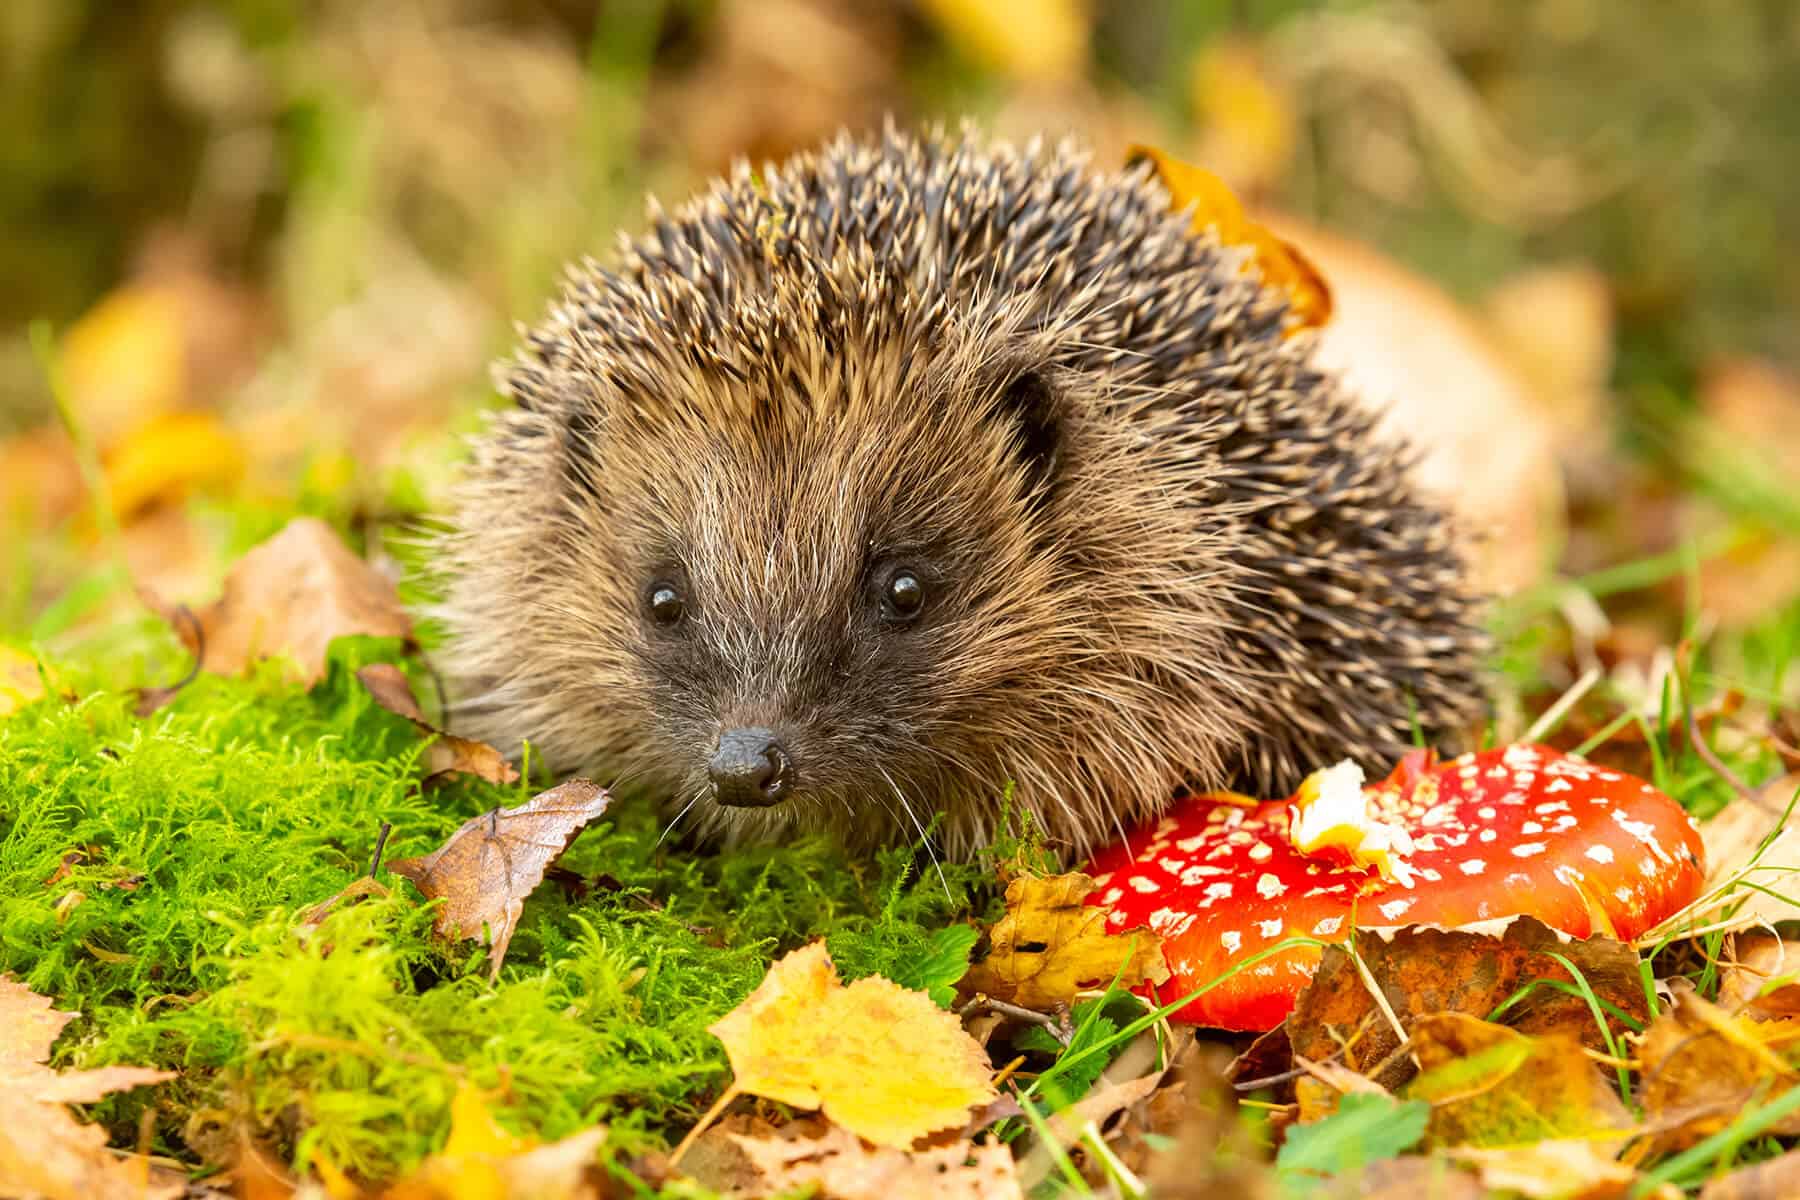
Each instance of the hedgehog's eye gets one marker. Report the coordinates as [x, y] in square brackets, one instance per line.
[903, 595]
[665, 604]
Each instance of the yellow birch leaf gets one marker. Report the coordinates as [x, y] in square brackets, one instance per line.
[124, 362]
[884, 1062]
[481, 1160]
[1037, 40]
[1051, 945]
[173, 454]
[1216, 207]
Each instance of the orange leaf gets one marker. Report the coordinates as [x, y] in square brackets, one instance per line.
[1281, 264]
[884, 1062]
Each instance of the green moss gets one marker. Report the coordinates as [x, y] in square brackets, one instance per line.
[207, 831]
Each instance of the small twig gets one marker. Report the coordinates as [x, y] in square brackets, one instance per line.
[693, 1135]
[381, 838]
[1712, 760]
[981, 1004]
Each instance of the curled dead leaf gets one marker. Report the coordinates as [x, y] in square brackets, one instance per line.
[885, 1063]
[1051, 945]
[448, 754]
[487, 868]
[290, 596]
[481, 1160]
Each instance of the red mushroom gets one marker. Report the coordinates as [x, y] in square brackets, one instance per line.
[1523, 830]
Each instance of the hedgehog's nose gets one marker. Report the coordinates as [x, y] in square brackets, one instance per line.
[750, 769]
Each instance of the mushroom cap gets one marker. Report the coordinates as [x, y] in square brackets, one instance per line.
[1520, 830]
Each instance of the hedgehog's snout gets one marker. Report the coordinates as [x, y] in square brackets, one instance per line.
[750, 769]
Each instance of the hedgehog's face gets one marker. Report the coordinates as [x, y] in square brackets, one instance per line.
[827, 608]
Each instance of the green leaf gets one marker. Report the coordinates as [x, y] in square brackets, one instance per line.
[935, 966]
[1366, 1128]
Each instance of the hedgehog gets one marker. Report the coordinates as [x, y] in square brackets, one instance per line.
[923, 480]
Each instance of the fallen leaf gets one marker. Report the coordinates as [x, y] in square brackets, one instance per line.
[1421, 971]
[1701, 1066]
[1775, 1178]
[1555, 325]
[811, 1156]
[290, 596]
[885, 1063]
[20, 680]
[124, 362]
[357, 889]
[481, 1160]
[1763, 976]
[1282, 264]
[1568, 1169]
[170, 456]
[1752, 867]
[40, 479]
[44, 1151]
[487, 868]
[1051, 945]
[1032, 40]
[448, 754]
[1493, 1086]
[1403, 344]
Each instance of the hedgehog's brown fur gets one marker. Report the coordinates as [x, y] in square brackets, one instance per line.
[1162, 547]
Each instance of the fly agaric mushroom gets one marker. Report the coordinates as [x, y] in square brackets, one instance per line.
[1523, 830]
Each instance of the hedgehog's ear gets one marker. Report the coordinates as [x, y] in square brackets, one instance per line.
[1029, 403]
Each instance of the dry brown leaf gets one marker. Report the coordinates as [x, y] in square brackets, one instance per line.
[1761, 975]
[291, 596]
[448, 754]
[40, 479]
[812, 1156]
[1421, 971]
[44, 1151]
[487, 868]
[1404, 344]
[125, 362]
[1051, 945]
[884, 1062]
[1568, 1169]
[1493, 1086]
[1701, 1066]
[1772, 1179]
[1282, 265]
[1752, 867]
[1555, 324]
[483, 1161]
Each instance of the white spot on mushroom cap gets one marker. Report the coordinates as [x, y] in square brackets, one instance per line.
[1431, 874]
[1558, 785]
[1624, 895]
[1393, 908]
[1115, 917]
[1487, 835]
[1218, 891]
[1327, 926]
[1261, 852]
[1112, 895]
[1269, 885]
[1531, 827]
[1551, 806]
[1600, 853]
[1232, 940]
[1144, 885]
[1471, 866]
[1527, 849]
[1188, 845]
[1487, 812]
[1170, 923]
[1270, 929]
[1192, 876]
[1171, 865]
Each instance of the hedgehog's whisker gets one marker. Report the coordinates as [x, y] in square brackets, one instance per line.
[699, 793]
[913, 817]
